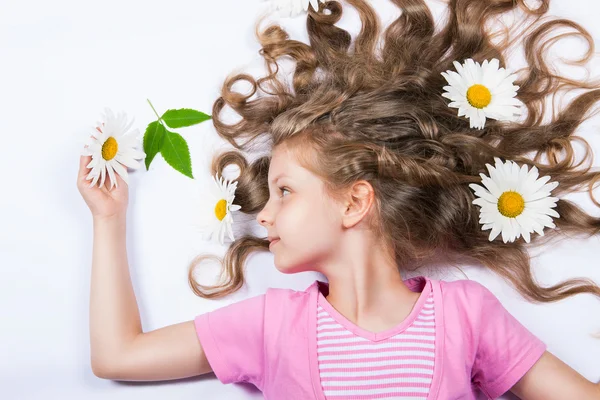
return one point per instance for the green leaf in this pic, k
(176, 153)
(153, 141)
(183, 117)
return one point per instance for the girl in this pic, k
(368, 175)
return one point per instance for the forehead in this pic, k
(282, 162)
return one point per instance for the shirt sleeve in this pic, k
(232, 338)
(506, 349)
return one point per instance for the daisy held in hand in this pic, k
(514, 202)
(112, 149)
(482, 91)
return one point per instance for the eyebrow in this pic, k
(277, 177)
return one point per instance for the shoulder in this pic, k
(468, 300)
(291, 294)
(286, 317)
(464, 292)
(465, 302)
(286, 299)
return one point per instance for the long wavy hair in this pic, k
(376, 113)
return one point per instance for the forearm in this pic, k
(114, 314)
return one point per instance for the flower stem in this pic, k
(155, 111)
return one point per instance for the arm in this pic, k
(171, 352)
(552, 379)
(119, 348)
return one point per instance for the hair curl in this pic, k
(380, 116)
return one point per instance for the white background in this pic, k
(61, 63)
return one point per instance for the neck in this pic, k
(367, 289)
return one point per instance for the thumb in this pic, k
(83, 162)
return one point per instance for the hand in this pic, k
(102, 201)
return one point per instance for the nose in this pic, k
(263, 217)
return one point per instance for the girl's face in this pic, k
(298, 213)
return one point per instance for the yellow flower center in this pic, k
(109, 148)
(479, 96)
(511, 204)
(221, 209)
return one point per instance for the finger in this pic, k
(83, 162)
(98, 128)
(84, 150)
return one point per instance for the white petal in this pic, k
(128, 161)
(459, 69)
(541, 204)
(539, 228)
(492, 186)
(454, 93)
(483, 193)
(539, 184)
(136, 153)
(487, 218)
(469, 72)
(481, 118)
(524, 222)
(122, 171)
(103, 175)
(526, 236)
(94, 180)
(505, 230)
(516, 228)
(230, 231)
(552, 213)
(521, 179)
(111, 174)
(485, 227)
(92, 163)
(458, 82)
(526, 187)
(496, 230)
(497, 177)
(550, 186)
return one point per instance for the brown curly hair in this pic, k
(380, 116)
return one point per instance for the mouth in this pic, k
(273, 242)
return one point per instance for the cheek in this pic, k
(308, 235)
(306, 225)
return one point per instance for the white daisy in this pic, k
(218, 207)
(112, 149)
(480, 91)
(515, 202)
(292, 8)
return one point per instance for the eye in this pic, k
(281, 189)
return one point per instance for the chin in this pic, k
(285, 269)
(291, 269)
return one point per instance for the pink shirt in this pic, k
(270, 341)
(397, 363)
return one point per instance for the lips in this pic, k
(273, 242)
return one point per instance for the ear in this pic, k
(357, 203)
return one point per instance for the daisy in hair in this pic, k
(514, 201)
